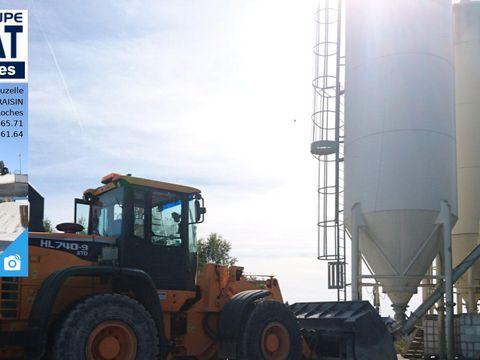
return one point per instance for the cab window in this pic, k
(192, 226)
(139, 213)
(107, 213)
(166, 215)
(82, 214)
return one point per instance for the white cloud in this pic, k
(215, 94)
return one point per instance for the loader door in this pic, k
(157, 239)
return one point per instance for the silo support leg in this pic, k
(356, 258)
(355, 267)
(444, 220)
(459, 303)
(440, 262)
(440, 291)
(471, 298)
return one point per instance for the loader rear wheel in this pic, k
(106, 327)
(271, 333)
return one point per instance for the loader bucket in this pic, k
(350, 330)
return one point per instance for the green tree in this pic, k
(214, 249)
(47, 225)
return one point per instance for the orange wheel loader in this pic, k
(121, 282)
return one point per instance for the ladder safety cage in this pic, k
(328, 139)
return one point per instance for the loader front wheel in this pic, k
(105, 327)
(271, 333)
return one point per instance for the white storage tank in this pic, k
(399, 135)
(467, 94)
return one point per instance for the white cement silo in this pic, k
(467, 94)
(399, 136)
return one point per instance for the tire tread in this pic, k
(263, 312)
(83, 318)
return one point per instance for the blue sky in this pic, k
(14, 153)
(14, 149)
(212, 94)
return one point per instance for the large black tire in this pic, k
(109, 326)
(271, 332)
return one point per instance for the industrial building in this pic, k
(396, 131)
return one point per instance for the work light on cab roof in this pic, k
(109, 177)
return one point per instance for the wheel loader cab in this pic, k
(154, 224)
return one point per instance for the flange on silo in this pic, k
(467, 96)
(400, 171)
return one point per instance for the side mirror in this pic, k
(200, 210)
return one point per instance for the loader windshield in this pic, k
(107, 213)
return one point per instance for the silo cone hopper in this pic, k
(400, 165)
(399, 246)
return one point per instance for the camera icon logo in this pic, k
(12, 263)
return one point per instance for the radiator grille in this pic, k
(9, 297)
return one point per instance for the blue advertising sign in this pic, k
(13, 143)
